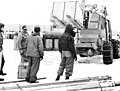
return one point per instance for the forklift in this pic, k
(94, 33)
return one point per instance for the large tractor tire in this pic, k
(116, 47)
(107, 53)
(81, 52)
(90, 52)
(86, 52)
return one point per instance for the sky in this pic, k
(25, 11)
(38, 11)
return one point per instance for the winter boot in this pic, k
(67, 78)
(58, 78)
(1, 73)
(1, 79)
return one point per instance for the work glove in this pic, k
(75, 58)
(41, 58)
(22, 52)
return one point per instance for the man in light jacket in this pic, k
(22, 43)
(35, 54)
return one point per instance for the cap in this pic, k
(37, 29)
(24, 27)
(1, 25)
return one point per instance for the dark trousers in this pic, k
(33, 67)
(2, 63)
(66, 63)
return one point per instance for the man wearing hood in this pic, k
(68, 53)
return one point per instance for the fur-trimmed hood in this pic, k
(69, 29)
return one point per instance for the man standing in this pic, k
(22, 43)
(2, 60)
(68, 53)
(35, 54)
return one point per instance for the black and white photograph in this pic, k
(59, 45)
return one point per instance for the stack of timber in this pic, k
(99, 83)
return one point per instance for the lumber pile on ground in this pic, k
(98, 83)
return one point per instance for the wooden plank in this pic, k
(77, 84)
(8, 82)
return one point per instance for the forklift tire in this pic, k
(116, 46)
(107, 53)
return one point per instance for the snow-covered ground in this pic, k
(83, 67)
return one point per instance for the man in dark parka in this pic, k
(68, 53)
